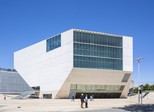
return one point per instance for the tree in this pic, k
(146, 87)
(136, 90)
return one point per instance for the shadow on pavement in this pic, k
(2, 105)
(139, 108)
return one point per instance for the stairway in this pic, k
(24, 95)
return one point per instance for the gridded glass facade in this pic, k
(80, 87)
(53, 43)
(98, 51)
(12, 82)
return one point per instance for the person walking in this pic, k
(91, 98)
(86, 101)
(73, 98)
(5, 98)
(82, 100)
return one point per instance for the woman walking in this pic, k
(86, 101)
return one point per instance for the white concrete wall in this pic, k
(46, 69)
(127, 53)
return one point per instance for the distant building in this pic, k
(12, 83)
(78, 61)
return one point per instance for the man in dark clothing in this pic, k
(86, 101)
(82, 100)
(73, 98)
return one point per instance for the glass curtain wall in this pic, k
(98, 51)
(80, 87)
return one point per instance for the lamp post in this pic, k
(138, 70)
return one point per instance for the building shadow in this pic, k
(139, 108)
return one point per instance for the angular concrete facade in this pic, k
(56, 73)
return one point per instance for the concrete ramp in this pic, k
(24, 95)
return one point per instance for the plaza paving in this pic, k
(62, 105)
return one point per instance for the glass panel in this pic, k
(97, 51)
(81, 87)
(53, 43)
(93, 87)
(88, 87)
(73, 86)
(121, 88)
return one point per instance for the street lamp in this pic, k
(138, 70)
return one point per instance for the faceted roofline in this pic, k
(100, 33)
(88, 31)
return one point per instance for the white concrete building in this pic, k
(78, 61)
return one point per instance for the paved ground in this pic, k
(62, 105)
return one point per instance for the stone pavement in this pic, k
(66, 105)
(130, 108)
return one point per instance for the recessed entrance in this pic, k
(47, 96)
(100, 95)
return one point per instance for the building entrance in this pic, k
(47, 96)
(100, 95)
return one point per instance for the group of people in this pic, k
(84, 99)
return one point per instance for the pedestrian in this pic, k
(73, 98)
(5, 98)
(86, 101)
(82, 100)
(91, 98)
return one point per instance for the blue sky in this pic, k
(25, 22)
